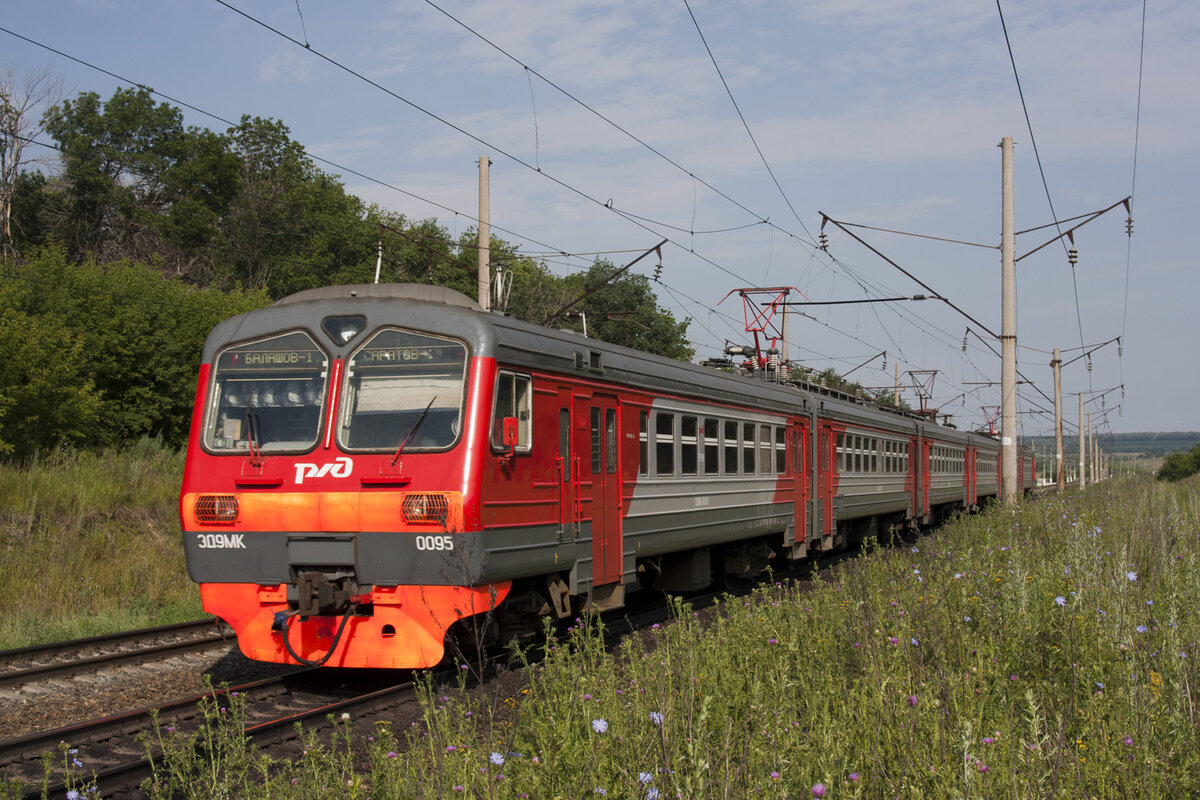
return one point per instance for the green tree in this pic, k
(115, 158)
(134, 338)
(623, 310)
(21, 121)
(1179, 465)
(46, 398)
(290, 226)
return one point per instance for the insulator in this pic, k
(884, 361)
(1120, 350)
(1089, 363)
(1073, 256)
(1102, 401)
(785, 371)
(752, 363)
(824, 239)
(657, 272)
(964, 343)
(773, 361)
(1129, 226)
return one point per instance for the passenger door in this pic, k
(799, 464)
(602, 487)
(567, 460)
(826, 481)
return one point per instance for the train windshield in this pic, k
(403, 388)
(267, 394)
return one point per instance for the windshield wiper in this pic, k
(412, 430)
(253, 436)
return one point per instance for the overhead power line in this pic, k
(473, 137)
(1137, 128)
(742, 117)
(618, 127)
(1037, 156)
(372, 179)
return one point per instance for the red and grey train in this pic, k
(372, 467)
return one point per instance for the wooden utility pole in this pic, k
(485, 237)
(1008, 330)
(1058, 422)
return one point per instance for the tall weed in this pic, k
(89, 543)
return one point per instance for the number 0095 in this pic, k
(435, 543)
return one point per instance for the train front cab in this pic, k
(330, 495)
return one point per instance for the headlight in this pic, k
(218, 509)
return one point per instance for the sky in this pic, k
(729, 128)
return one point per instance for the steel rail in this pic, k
(79, 666)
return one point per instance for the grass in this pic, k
(1043, 650)
(90, 544)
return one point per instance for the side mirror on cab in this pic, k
(509, 435)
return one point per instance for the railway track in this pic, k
(113, 748)
(82, 656)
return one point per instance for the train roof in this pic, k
(408, 291)
(525, 345)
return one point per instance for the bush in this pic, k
(1179, 465)
(101, 355)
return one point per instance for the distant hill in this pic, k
(1147, 444)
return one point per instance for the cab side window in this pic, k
(514, 398)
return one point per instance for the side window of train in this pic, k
(664, 439)
(731, 448)
(748, 467)
(764, 449)
(514, 398)
(712, 446)
(841, 453)
(610, 441)
(643, 444)
(595, 431)
(781, 450)
(564, 442)
(689, 444)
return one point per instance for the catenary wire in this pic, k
(370, 178)
(1037, 157)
